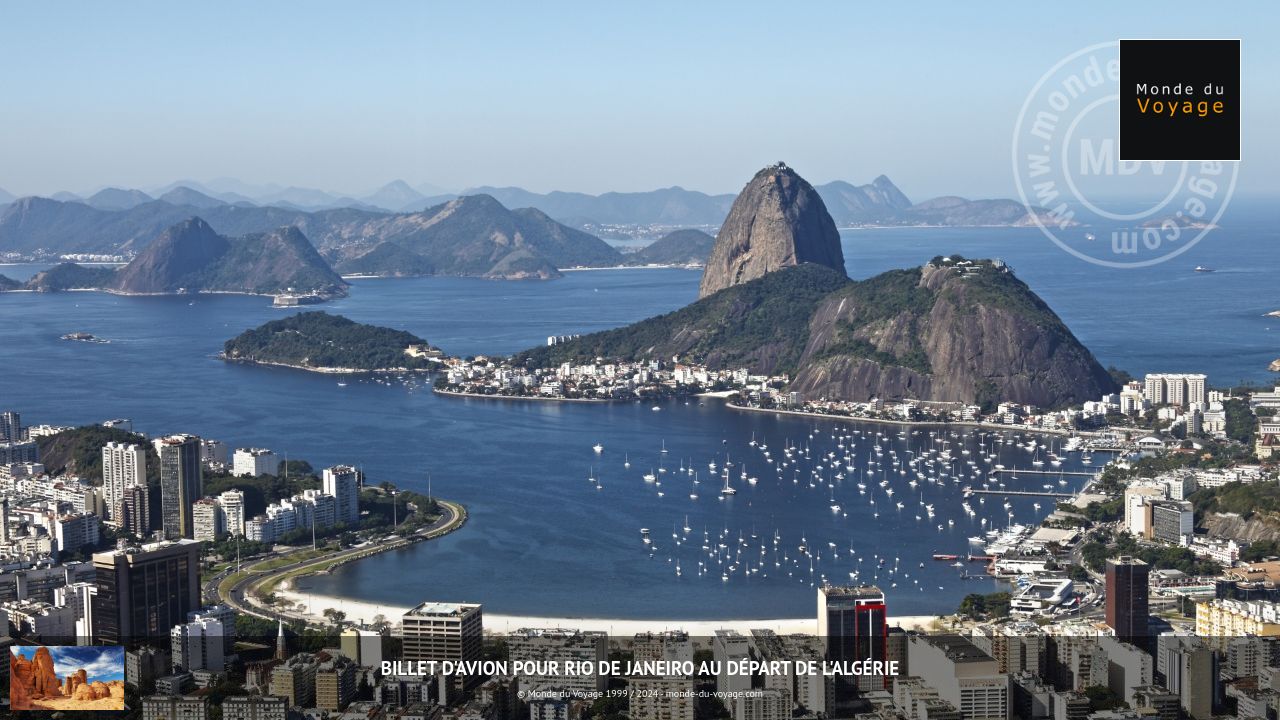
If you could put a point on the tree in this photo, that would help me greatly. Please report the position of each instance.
(335, 616)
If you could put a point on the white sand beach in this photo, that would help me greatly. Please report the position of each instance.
(360, 611)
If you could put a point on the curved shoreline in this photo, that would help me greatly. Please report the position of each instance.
(920, 423)
(539, 398)
(239, 594)
(321, 370)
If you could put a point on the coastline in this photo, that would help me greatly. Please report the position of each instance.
(363, 611)
(918, 423)
(539, 398)
(322, 370)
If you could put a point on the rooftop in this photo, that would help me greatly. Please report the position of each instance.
(443, 609)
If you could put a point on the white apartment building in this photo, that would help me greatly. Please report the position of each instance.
(231, 502)
(1181, 389)
(252, 462)
(206, 519)
(124, 465)
(342, 482)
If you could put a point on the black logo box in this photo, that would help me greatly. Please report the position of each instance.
(1188, 65)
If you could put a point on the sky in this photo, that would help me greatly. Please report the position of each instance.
(101, 664)
(588, 97)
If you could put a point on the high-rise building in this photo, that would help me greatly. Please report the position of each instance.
(1181, 389)
(124, 465)
(181, 483)
(962, 675)
(143, 592)
(199, 645)
(1172, 521)
(232, 504)
(730, 646)
(143, 665)
(206, 519)
(1127, 611)
(363, 646)
(561, 646)
(11, 426)
(443, 631)
(135, 510)
(853, 622)
(252, 462)
(341, 481)
(295, 680)
(335, 684)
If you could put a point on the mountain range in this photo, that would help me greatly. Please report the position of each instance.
(472, 235)
(877, 203)
(191, 257)
(775, 298)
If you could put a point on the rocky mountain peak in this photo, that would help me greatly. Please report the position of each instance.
(777, 221)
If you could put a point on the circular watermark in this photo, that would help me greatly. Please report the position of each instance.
(1083, 197)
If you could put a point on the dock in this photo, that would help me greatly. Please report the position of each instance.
(1026, 493)
(1073, 473)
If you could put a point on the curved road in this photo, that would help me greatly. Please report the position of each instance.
(236, 595)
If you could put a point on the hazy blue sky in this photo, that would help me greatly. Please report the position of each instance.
(589, 97)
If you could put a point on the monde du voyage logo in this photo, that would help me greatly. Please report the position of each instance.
(1124, 152)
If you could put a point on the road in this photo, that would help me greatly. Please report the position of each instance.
(236, 595)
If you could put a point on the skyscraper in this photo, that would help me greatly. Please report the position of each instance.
(135, 510)
(143, 592)
(124, 465)
(340, 482)
(1127, 587)
(232, 504)
(10, 426)
(853, 622)
(181, 483)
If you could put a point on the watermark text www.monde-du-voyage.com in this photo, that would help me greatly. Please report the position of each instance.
(1126, 152)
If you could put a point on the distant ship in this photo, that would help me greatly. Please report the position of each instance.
(1201, 268)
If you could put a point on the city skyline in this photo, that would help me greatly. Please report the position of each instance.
(610, 100)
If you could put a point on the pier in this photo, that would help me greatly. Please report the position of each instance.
(1027, 493)
(1074, 473)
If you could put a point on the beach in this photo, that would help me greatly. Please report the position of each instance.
(359, 611)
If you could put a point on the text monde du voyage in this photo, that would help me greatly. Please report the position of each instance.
(618, 668)
(1179, 99)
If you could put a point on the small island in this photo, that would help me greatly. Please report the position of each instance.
(85, 337)
(319, 342)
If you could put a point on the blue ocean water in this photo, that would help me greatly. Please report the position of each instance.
(542, 539)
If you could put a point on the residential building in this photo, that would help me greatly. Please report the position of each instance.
(342, 482)
(560, 646)
(295, 680)
(661, 698)
(335, 683)
(254, 707)
(962, 674)
(135, 511)
(231, 502)
(206, 520)
(199, 645)
(252, 462)
(143, 665)
(175, 707)
(767, 704)
(124, 465)
(1173, 521)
